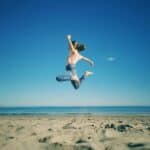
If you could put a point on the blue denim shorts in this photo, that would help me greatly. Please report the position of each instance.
(71, 68)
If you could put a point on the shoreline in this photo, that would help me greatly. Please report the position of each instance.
(74, 114)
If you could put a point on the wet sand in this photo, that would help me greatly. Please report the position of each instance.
(74, 132)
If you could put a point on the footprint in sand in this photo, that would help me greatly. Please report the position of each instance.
(19, 128)
(49, 129)
(59, 146)
(120, 121)
(82, 144)
(83, 147)
(79, 141)
(44, 139)
(56, 146)
(68, 126)
(123, 127)
(10, 137)
(33, 134)
(148, 128)
(10, 126)
(135, 145)
(108, 147)
(110, 126)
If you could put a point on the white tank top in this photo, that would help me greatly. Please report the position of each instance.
(73, 58)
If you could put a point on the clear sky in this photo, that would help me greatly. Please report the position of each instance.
(33, 50)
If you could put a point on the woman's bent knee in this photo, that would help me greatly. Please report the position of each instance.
(58, 79)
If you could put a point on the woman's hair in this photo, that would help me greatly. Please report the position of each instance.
(80, 47)
(73, 42)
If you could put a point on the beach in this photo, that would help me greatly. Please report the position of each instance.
(74, 132)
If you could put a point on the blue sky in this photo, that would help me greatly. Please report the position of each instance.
(33, 50)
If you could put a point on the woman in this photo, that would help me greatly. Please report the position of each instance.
(73, 58)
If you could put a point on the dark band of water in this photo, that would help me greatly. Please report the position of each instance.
(108, 110)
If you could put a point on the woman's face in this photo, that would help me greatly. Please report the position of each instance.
(75, 45)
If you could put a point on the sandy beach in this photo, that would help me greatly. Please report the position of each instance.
(74, 132)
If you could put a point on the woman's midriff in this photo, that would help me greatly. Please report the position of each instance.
(73, 59)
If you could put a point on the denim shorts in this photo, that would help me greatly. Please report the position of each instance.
(71, 68)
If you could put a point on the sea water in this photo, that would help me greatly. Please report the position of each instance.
(99, 110)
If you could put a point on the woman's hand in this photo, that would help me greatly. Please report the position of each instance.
(69, 37)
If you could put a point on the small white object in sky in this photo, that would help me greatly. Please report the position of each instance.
(111, 59)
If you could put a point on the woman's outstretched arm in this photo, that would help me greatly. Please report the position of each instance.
(70, 43)
(88, 60)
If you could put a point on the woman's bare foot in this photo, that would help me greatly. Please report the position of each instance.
(88, 73)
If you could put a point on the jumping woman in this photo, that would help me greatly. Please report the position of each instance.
(74, 57)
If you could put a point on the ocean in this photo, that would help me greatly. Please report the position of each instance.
(61, 110)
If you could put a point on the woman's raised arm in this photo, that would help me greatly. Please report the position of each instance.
(70, 44)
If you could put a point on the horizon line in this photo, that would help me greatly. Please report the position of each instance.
(76, 106)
